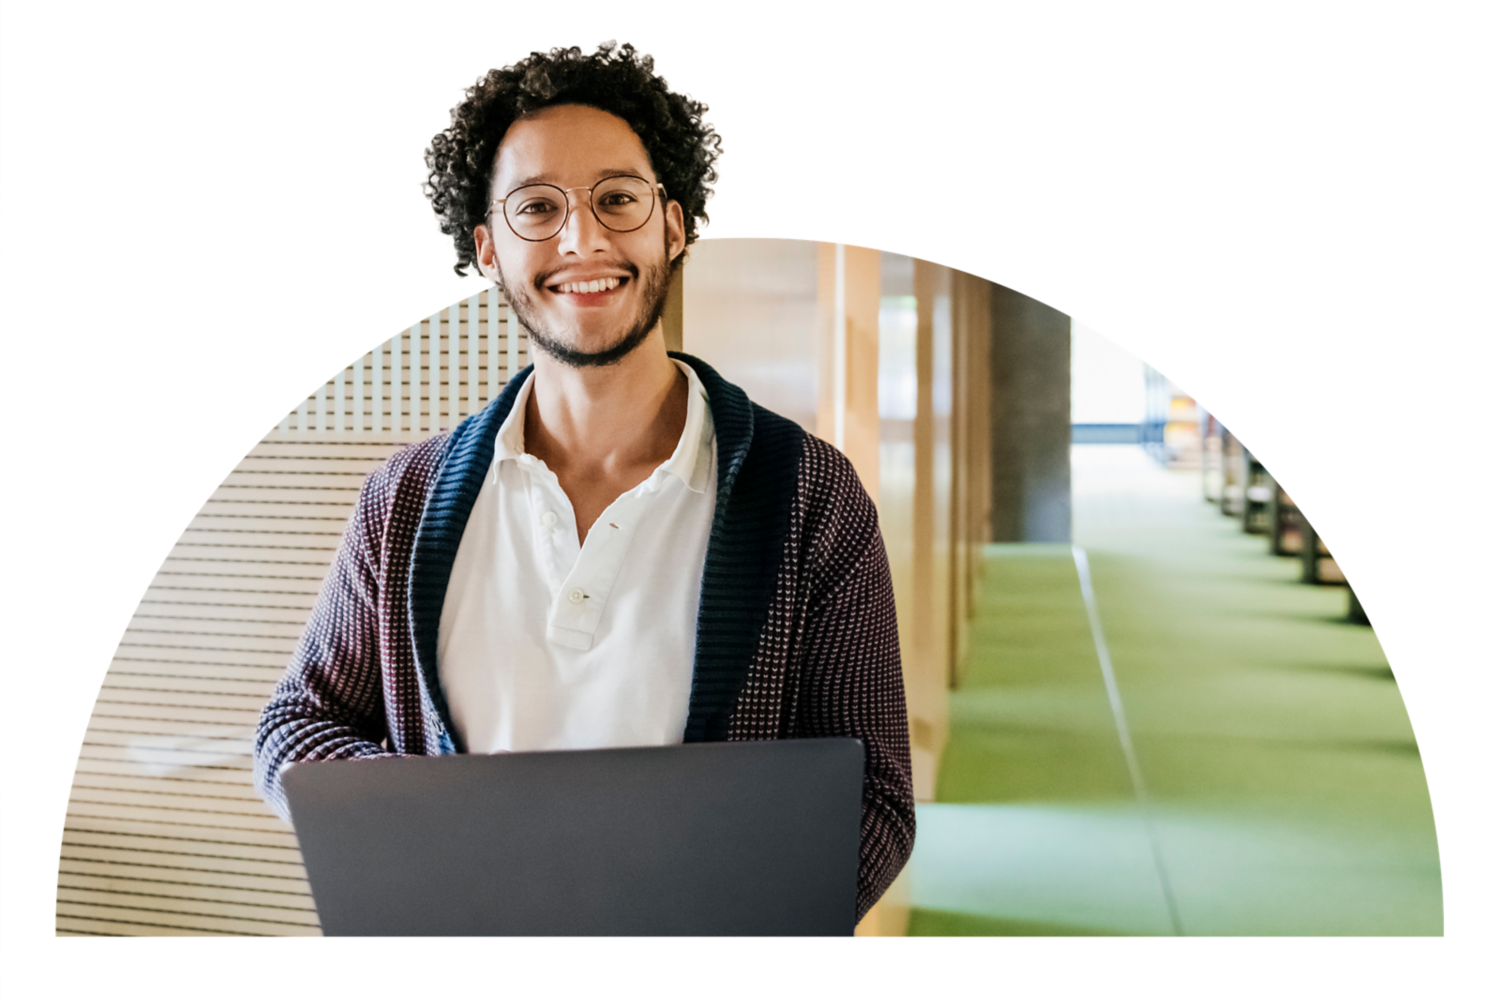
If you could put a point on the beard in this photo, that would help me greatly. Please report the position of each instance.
(654, 286)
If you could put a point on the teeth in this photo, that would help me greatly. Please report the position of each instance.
(587, 287)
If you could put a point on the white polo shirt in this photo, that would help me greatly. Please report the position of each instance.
(546, 645)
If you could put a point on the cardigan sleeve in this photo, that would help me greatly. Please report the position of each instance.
(329, 704)
(851, 678)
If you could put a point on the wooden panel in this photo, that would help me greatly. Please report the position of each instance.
(195, 660)
(671, 316)
(927, 678)
(182, 909)
(200, 853)
(162, 642)
(513, 362)
(313, 516)
(77, 920)
(185, 612)
(150, 820)
(849, 357)
(321, 529)
(750, 309)
(178, 567)
(301, 910)
(92, 864)
(165, 834)
(272, 530)
(237, 902)
(350, 447)
(119, 714)
(234, 873)
(243, 553)
(224, 586)
(157, 764)
(271, 462)
(142, 688)
(214, 787)
(267, 494)
(295, 479)
(85, 791)
(151, 731)
(425, 379)
(175, 626)
(148, 667)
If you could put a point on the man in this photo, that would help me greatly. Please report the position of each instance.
(621, 549)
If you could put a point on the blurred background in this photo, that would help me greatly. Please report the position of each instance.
(1143, 698)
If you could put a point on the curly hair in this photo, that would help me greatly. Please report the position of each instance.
(681, 145)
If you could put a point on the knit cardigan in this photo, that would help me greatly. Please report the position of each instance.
(796, 629)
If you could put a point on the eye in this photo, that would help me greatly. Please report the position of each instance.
(534, 207)
(534, 203)
(617, 198)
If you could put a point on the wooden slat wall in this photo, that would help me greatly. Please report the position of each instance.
(165, 834)
(457, 372)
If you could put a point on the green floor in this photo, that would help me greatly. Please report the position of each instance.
(1284, 790)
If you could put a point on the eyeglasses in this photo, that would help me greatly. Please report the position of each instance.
(538, 212)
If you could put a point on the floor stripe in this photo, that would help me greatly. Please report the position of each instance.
(1117, 706)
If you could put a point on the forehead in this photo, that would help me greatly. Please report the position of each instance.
(568, 145)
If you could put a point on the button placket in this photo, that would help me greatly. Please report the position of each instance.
(556, 546)
(579, 606)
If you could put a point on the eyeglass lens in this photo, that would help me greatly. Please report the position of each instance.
(539, 211)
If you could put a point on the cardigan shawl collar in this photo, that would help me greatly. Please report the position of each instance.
(759, 453)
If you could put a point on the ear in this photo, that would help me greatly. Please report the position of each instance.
(676, 230)
(484, 250)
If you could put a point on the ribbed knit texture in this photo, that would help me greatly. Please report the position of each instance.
(796, 621)
(470, 453)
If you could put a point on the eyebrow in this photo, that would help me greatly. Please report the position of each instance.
(547, 179)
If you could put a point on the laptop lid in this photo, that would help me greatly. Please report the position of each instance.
(745, 838)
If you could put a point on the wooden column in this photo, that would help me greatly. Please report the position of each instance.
(856, 350)
(849, 356)
(925, 631)
(970, 503)
(671, 316)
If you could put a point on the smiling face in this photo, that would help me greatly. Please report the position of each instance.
(589, 295)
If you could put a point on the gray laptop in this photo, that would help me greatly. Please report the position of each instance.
(754, 838)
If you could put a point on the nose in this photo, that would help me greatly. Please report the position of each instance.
(582, 233)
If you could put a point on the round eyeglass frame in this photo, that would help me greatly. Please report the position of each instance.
(658, 193)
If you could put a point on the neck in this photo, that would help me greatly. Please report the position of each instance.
(600, 422)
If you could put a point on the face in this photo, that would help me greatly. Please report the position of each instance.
(589, 295)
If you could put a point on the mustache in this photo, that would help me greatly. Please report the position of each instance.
(541, 281)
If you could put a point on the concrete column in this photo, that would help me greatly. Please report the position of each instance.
(1030, 427)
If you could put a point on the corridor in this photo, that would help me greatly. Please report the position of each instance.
(1282, 789)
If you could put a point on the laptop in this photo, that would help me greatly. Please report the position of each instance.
(743, 838)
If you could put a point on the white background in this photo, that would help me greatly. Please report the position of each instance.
(1107, 383)
(1287, 208)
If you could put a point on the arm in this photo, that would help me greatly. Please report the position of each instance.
(852, 686)
(329, 704)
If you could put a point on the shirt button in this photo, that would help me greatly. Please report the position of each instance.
(576, 596)
(549, 519)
